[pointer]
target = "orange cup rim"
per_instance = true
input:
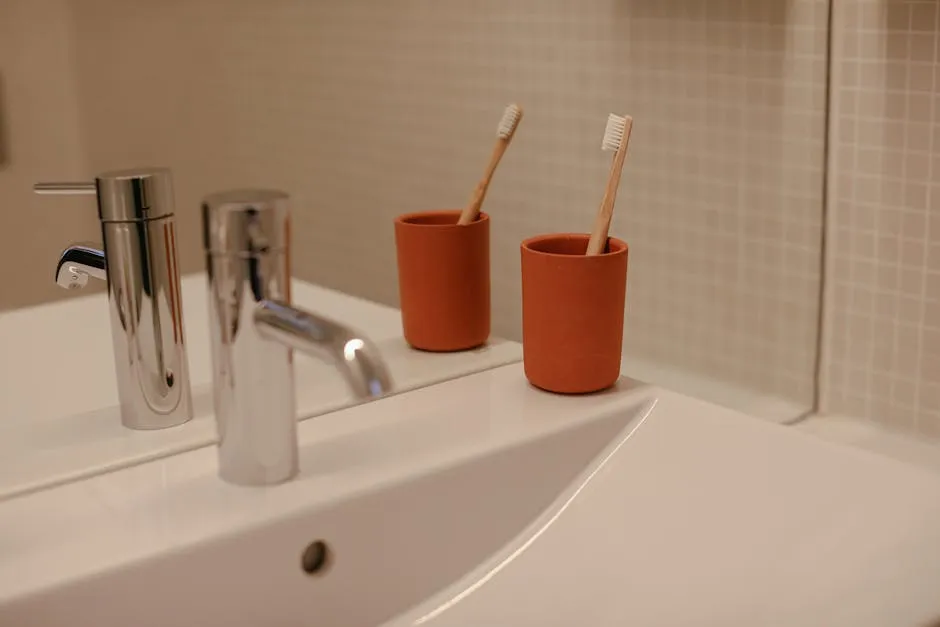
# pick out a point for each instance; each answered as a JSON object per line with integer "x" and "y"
{"x": 538, "y": 239}
{"x": 405, "y": 219}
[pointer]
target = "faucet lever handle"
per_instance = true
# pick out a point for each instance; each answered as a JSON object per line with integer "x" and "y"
{"x": 78, "y": 262}
{"x": 66, "y": 189}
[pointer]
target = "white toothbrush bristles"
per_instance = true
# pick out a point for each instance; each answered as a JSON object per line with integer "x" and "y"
{"x": 613, "y": 134}
{"x": 509, "y": 121}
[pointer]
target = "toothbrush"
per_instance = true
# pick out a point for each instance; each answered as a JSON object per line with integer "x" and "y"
{"x": 616, "y": 138}
{"x": 504, "y": 132}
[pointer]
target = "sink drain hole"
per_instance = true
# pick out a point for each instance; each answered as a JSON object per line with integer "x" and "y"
{"x": 316, "y": 558}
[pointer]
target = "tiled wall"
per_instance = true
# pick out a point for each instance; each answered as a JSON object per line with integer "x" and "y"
{"x": 882, "y": 333}
{"x": 367, "y": 109}
{"x": 39, "y": 139}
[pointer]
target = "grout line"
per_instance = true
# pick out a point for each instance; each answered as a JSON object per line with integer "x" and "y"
{"x": 922, "y": 322}
{"x": 898, "y": 270}
{"x": 824, "y": 322}
{"x": 874, "y": 258}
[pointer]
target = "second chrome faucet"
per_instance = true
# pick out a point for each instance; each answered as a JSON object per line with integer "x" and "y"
{"x": 254, "y": 328}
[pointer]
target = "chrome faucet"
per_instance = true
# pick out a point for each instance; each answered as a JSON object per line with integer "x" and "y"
{"x": 253, "y": 329}
{"x": 139, "y": 262}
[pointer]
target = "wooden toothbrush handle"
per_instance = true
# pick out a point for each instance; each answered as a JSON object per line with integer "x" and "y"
{"x": 598, "y": 242}
{"x": 472, "y": 211}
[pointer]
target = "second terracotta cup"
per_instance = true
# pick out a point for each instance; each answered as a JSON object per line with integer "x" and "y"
{"x": 444, "y": 280}
{"x": 572, "y": 313}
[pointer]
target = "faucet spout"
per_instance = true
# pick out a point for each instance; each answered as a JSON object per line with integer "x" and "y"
{"x": 356, "y": 357}
{"x": 77, "y": 263}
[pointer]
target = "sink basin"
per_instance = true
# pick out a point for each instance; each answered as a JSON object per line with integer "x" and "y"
{"x": 396, "y": 500}
{"x": 482, "y": 501}
{"x": 702, "y": 516}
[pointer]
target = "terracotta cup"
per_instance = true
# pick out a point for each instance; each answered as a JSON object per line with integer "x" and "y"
{"x": 444, "y": 280}
{"x": 572, "y": 313}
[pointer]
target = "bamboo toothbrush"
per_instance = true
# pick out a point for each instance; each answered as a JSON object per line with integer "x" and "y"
{"x": 616, "y": 138}
{"x": 504, "y": 132}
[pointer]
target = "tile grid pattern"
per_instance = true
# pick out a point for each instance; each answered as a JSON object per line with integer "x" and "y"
{"x": 364, "y": 110}
{"x": 882, "y": 339}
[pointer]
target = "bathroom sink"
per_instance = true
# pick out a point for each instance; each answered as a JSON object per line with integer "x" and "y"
{"x": 482, "y": 501}
{"x": 396, "y": 500}
{"x": 699, "y": 515}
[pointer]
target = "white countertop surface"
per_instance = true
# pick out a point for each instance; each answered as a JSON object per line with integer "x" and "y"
{"x": 697, "y": 515}
{"x": 69, "y": 532}
{"x": 59, "y": 414}
{"x": 704, "y": 517}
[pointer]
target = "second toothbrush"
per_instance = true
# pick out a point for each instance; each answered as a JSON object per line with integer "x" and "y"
{"x": 444, "y": 264}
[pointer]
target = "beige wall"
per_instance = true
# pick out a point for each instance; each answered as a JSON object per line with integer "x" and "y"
{"x": 40, "y": 139}
{"x": 364, "y": 109}
{"x": 882, "y": 337}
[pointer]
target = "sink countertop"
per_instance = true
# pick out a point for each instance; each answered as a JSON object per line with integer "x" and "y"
{"x": 78, "y": 530}
{"x": 59, "y": 417}
{"x": 704, "y": 516}
{"x": 694, "y": 515}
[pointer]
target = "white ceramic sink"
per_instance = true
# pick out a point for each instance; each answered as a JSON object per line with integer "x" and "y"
{"x": 408, "y": 494}
{"x": 482, "y": 501}
{"x": 700, "y": 516}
